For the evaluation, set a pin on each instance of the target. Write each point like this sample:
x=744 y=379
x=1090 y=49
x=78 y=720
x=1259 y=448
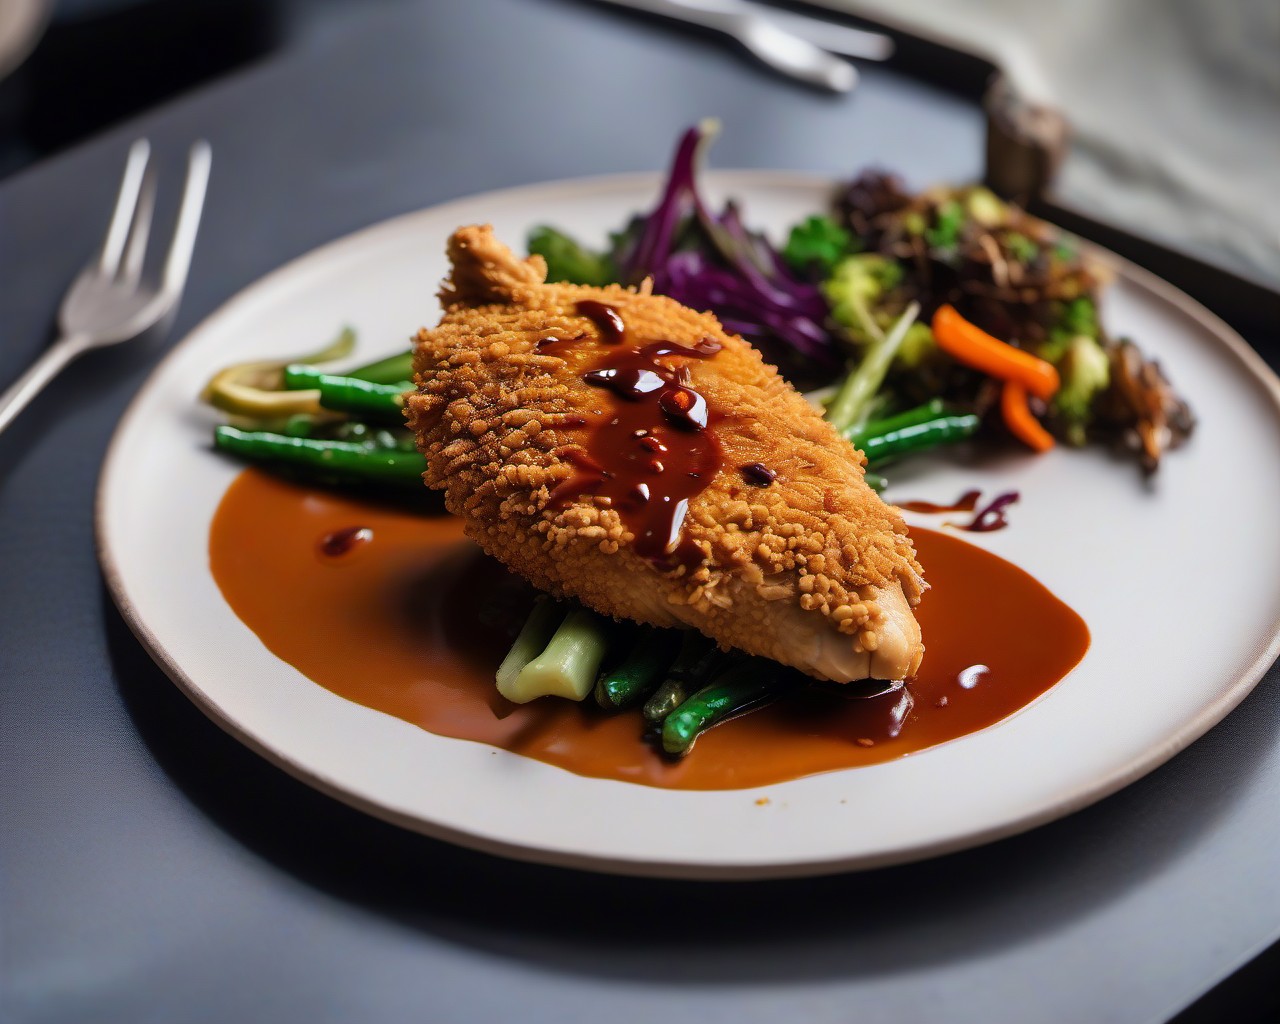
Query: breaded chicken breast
x=611 y=445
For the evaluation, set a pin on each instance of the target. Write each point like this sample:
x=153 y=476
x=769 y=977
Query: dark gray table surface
x=151 y=869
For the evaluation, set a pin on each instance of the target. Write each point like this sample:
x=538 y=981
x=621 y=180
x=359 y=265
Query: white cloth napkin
x=1174 y=106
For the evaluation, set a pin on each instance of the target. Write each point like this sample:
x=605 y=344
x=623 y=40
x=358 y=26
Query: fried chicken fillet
x=810 y=569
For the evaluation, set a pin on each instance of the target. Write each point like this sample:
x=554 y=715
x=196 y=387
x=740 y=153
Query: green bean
x=325 y=460
x=350 y=394
x=931 y=410
x=746 y=686
x=391 y=370
x=698 y=658
x=545 y=617
x=673 y=691
x=568 y=665
x=299 y=425
x=639 y=671
x=918 y=437
x=875 y=481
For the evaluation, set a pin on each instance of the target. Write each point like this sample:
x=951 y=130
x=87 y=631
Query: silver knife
x=794 y=44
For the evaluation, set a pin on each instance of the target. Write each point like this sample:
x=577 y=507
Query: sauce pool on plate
x=396 y=610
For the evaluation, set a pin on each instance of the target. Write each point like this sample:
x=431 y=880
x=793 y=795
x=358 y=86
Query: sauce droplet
x=630 y=383
x=340 y=542
x=684 y=407
x=757 y=474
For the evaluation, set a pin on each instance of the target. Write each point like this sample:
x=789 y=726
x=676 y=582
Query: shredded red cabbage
x=716 y=263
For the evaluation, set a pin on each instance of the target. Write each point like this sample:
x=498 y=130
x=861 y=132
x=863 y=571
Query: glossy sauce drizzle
x=992 y=517
x=967 y=502
x=987 y=519
x=652 y=449
x=416 y=625
x=606 y=318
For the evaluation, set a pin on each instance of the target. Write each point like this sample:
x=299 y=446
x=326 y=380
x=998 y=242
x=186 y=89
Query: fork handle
x=38 y=374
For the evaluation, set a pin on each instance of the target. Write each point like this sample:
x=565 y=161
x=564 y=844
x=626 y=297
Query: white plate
x=1176 y=581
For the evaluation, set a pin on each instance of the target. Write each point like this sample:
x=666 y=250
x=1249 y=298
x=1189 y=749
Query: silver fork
x=109 y=302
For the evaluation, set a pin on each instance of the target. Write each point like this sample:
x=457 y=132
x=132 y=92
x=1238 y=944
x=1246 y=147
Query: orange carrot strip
x=974 y=347
x=1020 y=420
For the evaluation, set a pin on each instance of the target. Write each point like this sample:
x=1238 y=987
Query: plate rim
x=1255 y=368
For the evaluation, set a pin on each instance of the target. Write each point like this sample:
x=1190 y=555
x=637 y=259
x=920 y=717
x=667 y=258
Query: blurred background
x=70 y=68
x=1173 y=105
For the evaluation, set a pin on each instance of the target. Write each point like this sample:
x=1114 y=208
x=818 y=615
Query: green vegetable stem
x=914 y=437
x=673 y=692
x=640 y=670
x=697 y=660
x=391 y=370
x=852 y=402
x=930 y=410
x=568 y=665
x=743 y=688
x=252 y=388
x=537 y=631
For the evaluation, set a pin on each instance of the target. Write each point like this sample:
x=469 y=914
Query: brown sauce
x=992 y=516
x=967 y=502
x=414 y=621
x=651 y=449
x=606 y=318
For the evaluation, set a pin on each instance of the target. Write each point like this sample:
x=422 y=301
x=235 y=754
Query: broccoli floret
x=816 y=245
x=568 y=260
x=1077 y=318
x=1020 y=247
x=947 y=222
x=1085 y=370
x=1081 y=317
x=858 y=283
x=914 y=224
x=985 y=207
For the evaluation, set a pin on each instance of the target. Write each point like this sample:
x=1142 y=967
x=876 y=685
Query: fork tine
x=178 y=262
x=127 y=198
x=135 y=249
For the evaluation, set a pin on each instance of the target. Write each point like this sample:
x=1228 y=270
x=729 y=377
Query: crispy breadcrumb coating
x=813 y=570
